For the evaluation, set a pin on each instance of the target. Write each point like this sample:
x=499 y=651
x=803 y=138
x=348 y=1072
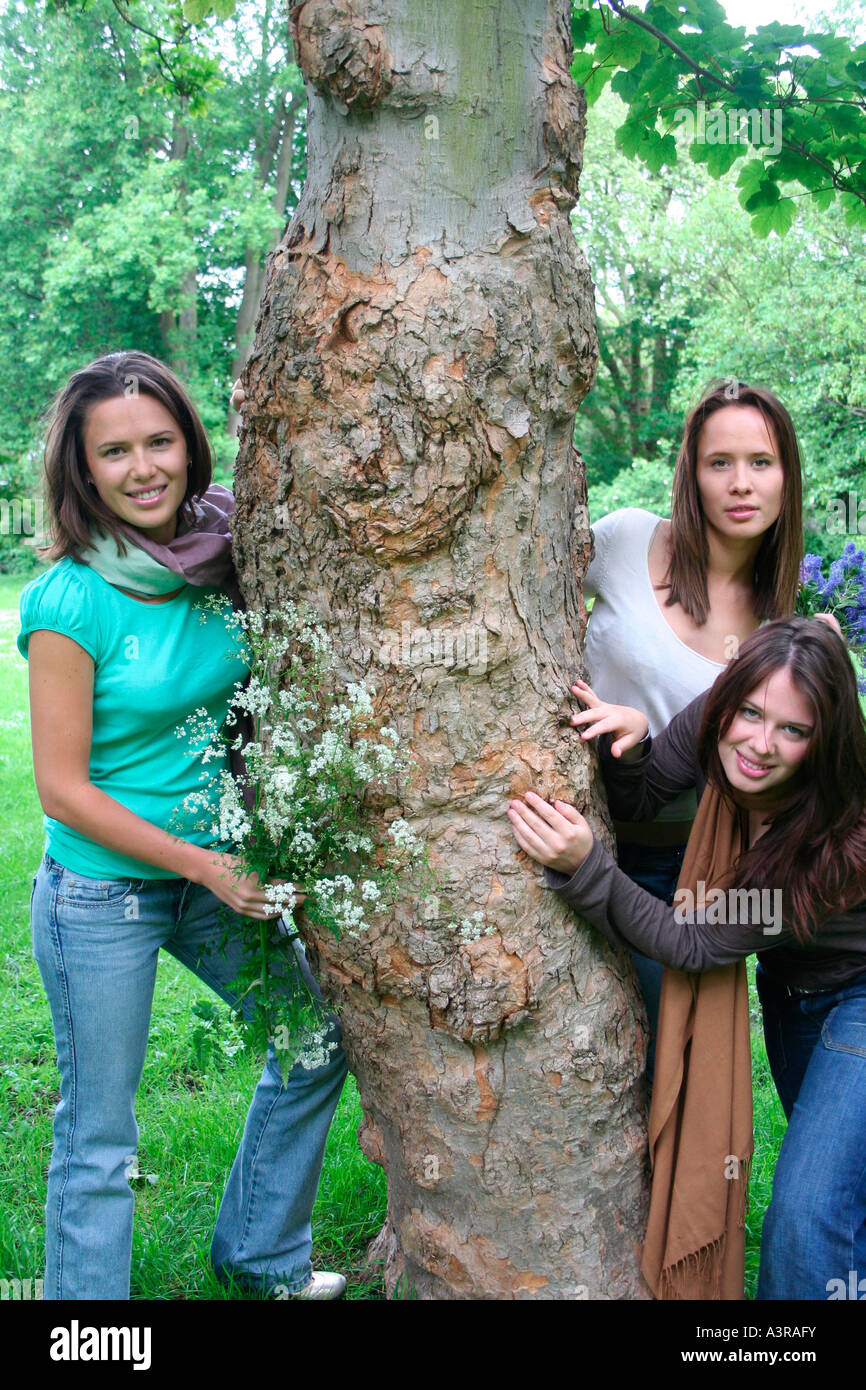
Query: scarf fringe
x=704 y=1265
x=676 y=1280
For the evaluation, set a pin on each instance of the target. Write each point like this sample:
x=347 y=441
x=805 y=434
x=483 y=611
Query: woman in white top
x=675 y=598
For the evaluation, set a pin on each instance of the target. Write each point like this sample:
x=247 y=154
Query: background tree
x=146 y=179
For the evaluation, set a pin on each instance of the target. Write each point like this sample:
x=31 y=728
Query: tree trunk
x=179 y=329
x=407 y=468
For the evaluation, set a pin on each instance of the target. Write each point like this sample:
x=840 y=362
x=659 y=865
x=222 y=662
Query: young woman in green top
x=119 y=657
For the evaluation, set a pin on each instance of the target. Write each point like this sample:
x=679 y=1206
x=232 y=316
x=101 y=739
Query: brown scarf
x=700 y=1126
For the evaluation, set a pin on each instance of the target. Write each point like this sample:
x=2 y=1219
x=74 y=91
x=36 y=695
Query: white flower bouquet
x=317 y=809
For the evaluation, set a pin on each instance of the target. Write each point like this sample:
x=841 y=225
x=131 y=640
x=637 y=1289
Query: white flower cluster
x=404 y=837
x=316 y=749
x=294 y=701
x=255 y=697
x=282 y=739
x=281 y=895
x=201 y=731
x=385 y=757
x=303 y=843
x=355 y=843
x=347 y=916
x=315 y=637
x=326 y=753
x=277 y=808
x=359 y=710
x=471 y=928
x=234 y=822
x=317 y=1050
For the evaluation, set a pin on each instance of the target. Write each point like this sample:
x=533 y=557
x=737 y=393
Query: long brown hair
x=73 y=505
x=816 y=843
x=777 y=562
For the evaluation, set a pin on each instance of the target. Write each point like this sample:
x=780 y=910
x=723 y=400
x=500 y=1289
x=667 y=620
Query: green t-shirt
x=155 y=665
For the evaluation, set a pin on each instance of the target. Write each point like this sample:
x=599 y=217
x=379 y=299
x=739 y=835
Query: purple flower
x=810 y=570
x=834 y=579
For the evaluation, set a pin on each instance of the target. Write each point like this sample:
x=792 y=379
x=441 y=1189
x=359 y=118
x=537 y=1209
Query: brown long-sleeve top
x=630 y=916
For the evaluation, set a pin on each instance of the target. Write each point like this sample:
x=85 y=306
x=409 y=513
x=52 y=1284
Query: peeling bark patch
x=488 y=1100
x=341 y=54
x=459 y=1259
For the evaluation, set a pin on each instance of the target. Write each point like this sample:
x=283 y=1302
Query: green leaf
x=775 y=218
x=629 y=136
x=750 y=177
x=582 y=66
x=721 y=157
x=596 y=83
x=195 y=10
x=855 y=209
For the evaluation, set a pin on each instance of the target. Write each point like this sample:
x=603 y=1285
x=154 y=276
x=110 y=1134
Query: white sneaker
x=323 y=1285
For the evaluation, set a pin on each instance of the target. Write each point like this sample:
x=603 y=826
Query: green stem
x=263 y=947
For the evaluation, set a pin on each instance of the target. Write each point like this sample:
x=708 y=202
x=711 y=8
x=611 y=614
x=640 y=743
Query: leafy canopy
x=786 y=104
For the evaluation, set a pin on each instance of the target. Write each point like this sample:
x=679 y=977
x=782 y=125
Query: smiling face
x=769 y=735
x=740 y=475
x=137 y=457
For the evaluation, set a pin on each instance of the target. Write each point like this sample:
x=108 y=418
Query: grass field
x=195 y=1090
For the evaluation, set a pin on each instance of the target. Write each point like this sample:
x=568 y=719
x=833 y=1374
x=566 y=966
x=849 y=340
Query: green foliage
x=140 y=168
x=644 y=483
x=687 y=76
x=625 y=221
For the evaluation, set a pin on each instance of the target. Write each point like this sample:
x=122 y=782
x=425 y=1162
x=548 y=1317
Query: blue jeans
x=815 y=1226
x=658 y=871
x=96 y=943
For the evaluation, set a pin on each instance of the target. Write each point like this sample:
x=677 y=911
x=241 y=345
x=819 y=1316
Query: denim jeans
x=658 y=871
x=815 y=1226
x=96 y=943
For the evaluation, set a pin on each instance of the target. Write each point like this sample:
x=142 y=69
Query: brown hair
x=816 y=843
x=777 y=562
x=73 y=504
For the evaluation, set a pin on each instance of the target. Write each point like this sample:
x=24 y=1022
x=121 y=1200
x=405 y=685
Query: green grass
x=194 y=1095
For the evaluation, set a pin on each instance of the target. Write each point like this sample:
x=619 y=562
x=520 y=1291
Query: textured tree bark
x=407 y=467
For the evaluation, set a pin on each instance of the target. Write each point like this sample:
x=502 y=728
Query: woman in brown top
x=777 y=750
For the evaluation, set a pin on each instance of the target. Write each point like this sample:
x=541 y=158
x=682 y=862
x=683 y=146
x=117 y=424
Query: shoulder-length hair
x=816 y=843
x=73 y=505
x=777 y=562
